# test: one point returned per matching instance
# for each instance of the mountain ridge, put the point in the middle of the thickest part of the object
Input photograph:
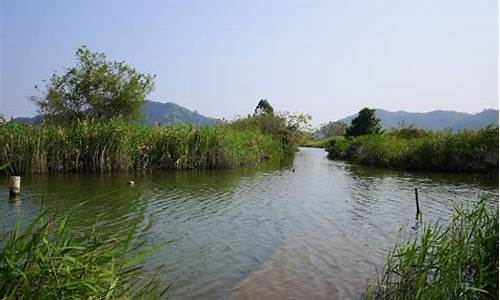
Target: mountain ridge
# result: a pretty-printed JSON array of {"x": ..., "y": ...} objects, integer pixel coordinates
[
  {"x": 156, "y": 113},
  {"x": 434, "y": 120}
]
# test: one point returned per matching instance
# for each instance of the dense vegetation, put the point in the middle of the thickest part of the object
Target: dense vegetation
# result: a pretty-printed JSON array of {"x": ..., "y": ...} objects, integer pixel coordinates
[
  {"x": 365, "y": 123},
  {"x": 95, "y": 89},
  {"x": 329, "y": 129},
  {"x": 119, "y": 146},
  {"x": 459, "y": 261},
  {"x": 48, "y": 260},
  {"x": 413, "y": 149},
  {"x": 321, "y": 143},
  {"x": 89, "y": 121}
]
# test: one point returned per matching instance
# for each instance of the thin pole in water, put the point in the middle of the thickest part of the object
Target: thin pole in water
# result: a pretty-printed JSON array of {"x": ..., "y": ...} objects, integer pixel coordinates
[
  {"x": 15, "y": 185},
  {"x": 416, "y": 201}
]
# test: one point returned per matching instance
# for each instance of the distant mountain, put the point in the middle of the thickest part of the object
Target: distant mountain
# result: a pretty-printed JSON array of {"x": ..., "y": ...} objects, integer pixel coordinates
[
  {"x": 26, "y": 120},
  {"x": 435, "y": 120},
  {"x": 170, "y": 113},
  {"x": 161, "y": 113}
]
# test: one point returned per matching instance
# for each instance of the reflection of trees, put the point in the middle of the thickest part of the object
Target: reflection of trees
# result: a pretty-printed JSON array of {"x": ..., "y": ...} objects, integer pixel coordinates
[
  {"x": 368, "y": 185},
  {"x": 417, "y": 177},
  {"x": 111, "y": 200}
]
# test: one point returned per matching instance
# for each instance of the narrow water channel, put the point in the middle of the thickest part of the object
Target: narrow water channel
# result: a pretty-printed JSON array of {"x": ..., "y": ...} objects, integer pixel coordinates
[{"x": 317, "y": 229}]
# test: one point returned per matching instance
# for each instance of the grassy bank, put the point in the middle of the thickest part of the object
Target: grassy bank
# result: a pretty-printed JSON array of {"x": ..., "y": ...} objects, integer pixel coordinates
[
  {"x": 118, "y": 146},
  {"x": 468, "y": 151},
  {"x": 459, "y": 261},
  {"x": 322, "y": 143},
  {"x": 48, "y": 260}
]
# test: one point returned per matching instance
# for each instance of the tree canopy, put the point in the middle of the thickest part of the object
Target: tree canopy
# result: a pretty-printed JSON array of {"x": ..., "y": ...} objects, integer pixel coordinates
[
  {"x": 330, "y": 129},
  {"x": 95, "y": 89},
  {"x": 264, "y": 108},
  {"x": 364, "y": 123}
]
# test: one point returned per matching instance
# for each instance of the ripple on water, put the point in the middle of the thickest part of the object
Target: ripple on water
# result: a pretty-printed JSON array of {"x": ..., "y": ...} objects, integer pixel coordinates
[{"x": 316, "y": 233}]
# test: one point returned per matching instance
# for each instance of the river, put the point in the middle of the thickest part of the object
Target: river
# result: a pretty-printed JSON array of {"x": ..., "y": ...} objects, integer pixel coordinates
[{"x": 315, "y": 229}]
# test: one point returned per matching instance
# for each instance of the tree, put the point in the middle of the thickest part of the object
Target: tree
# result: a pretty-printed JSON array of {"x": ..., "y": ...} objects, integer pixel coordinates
[
  {"x": 264, "y": 108},
  {"x": 365, "y": 123},
  {"x": 330, "y": 129},
  {"x": 95, "y": 89}
]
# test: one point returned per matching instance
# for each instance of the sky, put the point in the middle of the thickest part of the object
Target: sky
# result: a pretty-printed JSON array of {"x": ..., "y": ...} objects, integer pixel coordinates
[{"x": 326, "y": 58}]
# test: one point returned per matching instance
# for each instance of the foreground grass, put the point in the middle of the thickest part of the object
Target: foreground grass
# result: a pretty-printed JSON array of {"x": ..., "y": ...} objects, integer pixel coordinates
[
  {"x": 459, "y": 261},
  {"x": 117, "y": 146},
  {"x": 48, "y": 260},
  {"x": 467, "y": 151}
]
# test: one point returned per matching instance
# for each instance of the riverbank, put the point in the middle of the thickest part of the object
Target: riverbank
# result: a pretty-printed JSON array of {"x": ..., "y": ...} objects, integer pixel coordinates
[
  {"x": 120, "y": 147},
  {"x": 322, "y": 143},
  {"x": 467, "y": 151},
  {"x": 458, "y": 261}
]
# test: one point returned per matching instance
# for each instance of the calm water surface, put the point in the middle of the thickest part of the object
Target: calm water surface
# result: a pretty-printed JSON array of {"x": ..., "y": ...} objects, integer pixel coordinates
[{"x": 268, "y": 233}]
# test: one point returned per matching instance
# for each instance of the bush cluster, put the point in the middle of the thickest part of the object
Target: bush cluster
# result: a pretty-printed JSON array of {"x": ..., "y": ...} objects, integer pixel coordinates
[{"x": 466, "y": 151}]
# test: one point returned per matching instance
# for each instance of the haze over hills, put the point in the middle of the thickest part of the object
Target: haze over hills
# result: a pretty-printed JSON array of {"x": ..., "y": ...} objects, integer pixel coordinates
[
  {"x": 165, "y": 113},
  {"x": 172, "y": 113},
  {"x": 157, "y": 113},
  {"x": 435, "y": 120}
]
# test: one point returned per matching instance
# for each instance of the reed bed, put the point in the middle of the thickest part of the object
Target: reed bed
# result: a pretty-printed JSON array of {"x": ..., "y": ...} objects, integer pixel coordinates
[
  {"x": 118, "y": 146},
  {"x": 46, "y": 259},
  {"x": 458, "y": 261},
  {"x": 466, "y": 151}
]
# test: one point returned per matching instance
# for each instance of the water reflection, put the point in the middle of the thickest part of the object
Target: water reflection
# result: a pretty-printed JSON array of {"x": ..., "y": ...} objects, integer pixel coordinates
[{"x": 267, "y": 232}]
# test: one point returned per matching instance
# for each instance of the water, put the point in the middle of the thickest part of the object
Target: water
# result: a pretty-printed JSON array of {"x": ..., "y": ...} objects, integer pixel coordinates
[{"x": 265, "y": 233}]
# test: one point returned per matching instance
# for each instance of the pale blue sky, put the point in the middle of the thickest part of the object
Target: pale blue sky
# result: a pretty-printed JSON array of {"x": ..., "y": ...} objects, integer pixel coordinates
[{"x": 326, "y": 58}]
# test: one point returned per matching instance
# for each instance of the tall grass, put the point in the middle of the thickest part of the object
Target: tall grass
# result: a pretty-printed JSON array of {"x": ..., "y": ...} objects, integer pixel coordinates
[
  {"x": 466, "y": 151},
  {"x": 458, "y": 261},
  {"x": 118, "y": 146},
  {"x": 48, "y": 260}
]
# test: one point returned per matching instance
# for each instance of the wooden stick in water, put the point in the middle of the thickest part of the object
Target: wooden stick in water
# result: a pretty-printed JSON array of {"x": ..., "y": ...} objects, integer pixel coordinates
[
  {"x": 15, "y": 185},
  {"x": 416, "y": 201}
]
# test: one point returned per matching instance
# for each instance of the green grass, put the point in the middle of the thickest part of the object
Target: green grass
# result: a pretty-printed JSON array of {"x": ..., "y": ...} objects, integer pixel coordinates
[
  {"x": 467, "y": 151},
  {"x": 458, "y": 261},
  {"x": 49, "y": 260},
  {"x": 322, "y": 143},
  {"x": 118, "y": 146}
]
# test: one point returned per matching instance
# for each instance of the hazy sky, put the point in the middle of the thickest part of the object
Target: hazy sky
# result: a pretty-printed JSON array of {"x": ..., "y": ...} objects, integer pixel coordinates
[{"x": 326, "y": 58}]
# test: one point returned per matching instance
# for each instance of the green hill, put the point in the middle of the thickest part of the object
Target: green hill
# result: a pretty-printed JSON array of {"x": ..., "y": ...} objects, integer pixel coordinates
[
  {"x": 164, "y": 113},
  {"x": 155, "y": 113}
]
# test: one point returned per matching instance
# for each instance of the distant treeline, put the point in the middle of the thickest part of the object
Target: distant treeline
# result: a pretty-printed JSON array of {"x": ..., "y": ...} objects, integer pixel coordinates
[
  {"x": 119, "y": 146},
  {"x": 415, "y": 149}
]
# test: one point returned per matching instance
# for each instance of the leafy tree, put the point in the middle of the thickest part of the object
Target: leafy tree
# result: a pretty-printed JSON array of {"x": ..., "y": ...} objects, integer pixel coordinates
[
  {"x": 95, "y": 89},
  {"x": 3, "y": 119},
  {"x": 330, "y": 129},
  {"x": 291, "y": 128},
  {"x": 263, "y": 108},
  {"x": 365, "y": 123}
]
